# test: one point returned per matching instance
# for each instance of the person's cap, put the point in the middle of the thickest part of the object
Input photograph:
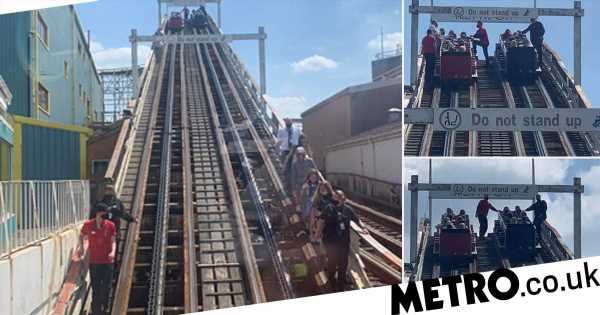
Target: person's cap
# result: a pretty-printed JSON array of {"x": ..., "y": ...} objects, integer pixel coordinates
[{"x": 300, "y": 150}]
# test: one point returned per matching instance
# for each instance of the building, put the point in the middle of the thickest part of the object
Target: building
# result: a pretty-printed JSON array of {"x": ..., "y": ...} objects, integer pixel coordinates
[
  {"x": 348, "y": 113},
  {"x": 387, "y": 66},
  {"x": 6, "y": 133},
  {"x": 369, "y": 165},
  {"x": 57, "y": 93}
]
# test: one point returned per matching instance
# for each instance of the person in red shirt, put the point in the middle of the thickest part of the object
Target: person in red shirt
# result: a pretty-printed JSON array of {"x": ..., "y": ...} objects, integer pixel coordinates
[
  {"x": 483, "y": 208},
  {"x": 428, "y": 49},
  {"x": 100, "y": 233},
  {"x": 482, "y": 41}
]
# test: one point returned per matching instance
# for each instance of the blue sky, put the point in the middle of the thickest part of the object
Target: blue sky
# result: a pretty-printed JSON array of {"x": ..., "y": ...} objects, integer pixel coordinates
[
  {"x": 559, "y": 34},
  {"x": 315, "y": 48},
  {"x": 517, "y": 171}
]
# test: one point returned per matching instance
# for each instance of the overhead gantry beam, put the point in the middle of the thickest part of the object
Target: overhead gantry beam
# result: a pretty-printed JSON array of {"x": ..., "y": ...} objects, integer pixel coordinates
[
  {"x": 261, "y": 37},
  {"x": 577, "y": 12}
]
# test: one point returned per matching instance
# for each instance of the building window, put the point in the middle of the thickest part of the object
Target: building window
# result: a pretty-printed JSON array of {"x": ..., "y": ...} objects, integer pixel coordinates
[
  {"x": 99, "y": 167},
  {"x": 43, "y": 30},
  {"x": 80, "y": 91},
  {"x": 43, "y": 98},
  {"x": 66, "y": 70},
  {"x": 79, "y": 48}
]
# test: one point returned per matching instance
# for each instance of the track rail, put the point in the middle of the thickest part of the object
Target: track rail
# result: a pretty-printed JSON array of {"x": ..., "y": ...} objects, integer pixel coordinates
[
  {"x": 196, "y": 166},
  {"x": 553, "y": 89}
]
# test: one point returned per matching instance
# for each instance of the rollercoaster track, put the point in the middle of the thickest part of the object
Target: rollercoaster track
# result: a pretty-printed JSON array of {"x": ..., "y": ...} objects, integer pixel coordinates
[
  {"x": 387, "y": 230},
  {"x": 253, "y": 184},
  {"x": 197, "y": 173},
  {"x": 157, "y": 282},
  {"x": 137, "y": 181},
  {"x": 490, "y": 94},
  {"x": 227, "y": 270},
  {"x": 491, "y": 90},
  {"x": 416, "y": 132}
]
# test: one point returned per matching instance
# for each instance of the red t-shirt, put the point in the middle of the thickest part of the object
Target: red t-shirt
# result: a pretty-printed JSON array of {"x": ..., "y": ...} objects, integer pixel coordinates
[
  {"x": 99, "y": 240},
  {"x": 483, "y": 36},
  {"x": 483, "y": 208},
  {"x": 428, "y": 45}
]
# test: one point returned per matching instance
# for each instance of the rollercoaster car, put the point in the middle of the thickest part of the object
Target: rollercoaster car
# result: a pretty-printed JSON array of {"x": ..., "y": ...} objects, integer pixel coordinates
[
  {"x": 454, "y": 239},
  {"x": 457, "y": 64},
  {"x": 517, "y": 57},
  {"x": 515, "y": 234},
  {"x": 175, "y": 23}
]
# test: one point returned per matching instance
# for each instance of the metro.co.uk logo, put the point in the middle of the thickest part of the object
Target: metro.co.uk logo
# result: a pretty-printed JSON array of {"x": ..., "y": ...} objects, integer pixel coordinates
[{"x": 501, "y": 285}]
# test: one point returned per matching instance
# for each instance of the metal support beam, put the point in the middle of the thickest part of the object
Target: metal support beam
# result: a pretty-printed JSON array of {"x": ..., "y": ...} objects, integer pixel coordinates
[
  {"x": 134, "y": 63},
  {"x": 414, "y": 214},
  {"x": 219, "y": 13},
  {"x": 577, "y": 217},
  {"x": 414, "y": 44},
  {"x": 576, "y": 12},
  {"x": 159, "y": 13},
  {"x": 200, "y": 39},
  {"x": 261, "y": 36},
  {"x": 414, "y": 187},
  {"x": 577, "y": 42},
  {"x": 262, "y": 60}
]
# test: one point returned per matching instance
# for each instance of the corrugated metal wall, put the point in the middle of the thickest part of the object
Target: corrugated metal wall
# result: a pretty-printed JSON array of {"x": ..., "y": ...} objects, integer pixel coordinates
[
  {"x": 15, "y": 59},
  {"x": 50, "y": 154}
]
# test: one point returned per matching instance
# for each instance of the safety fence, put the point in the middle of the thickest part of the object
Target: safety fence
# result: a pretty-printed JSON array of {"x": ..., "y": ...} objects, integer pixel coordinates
[{"x": 30, "y": 211}]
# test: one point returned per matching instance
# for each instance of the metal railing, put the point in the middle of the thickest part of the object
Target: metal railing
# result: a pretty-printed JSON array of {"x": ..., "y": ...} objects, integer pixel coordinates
[{"x": 30, "y": 211}]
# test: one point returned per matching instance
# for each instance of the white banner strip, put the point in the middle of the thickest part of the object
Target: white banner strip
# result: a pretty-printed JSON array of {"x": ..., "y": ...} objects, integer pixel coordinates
[{"x": 12, "y": 6}]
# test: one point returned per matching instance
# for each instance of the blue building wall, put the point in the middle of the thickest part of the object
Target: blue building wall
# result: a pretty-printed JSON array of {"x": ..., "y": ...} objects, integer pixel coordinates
[
  {"x": 49, "y": 144},
  {"x": 50, "y": 154},
  {"x": 15, "y": 60},
  {"x": 64, "y": 66}
]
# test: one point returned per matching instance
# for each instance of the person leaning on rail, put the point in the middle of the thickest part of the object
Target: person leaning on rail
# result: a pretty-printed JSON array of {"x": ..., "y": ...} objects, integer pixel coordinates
[
  {"x": 334, "y": 226},
  {"x": 537, "y": 38},
  {"x": 539, "y": 208},
  {"x": 100, "y": 233}
]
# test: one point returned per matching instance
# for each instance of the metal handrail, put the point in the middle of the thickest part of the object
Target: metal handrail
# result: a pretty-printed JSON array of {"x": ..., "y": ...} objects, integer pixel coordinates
[{"x": 31, "y": 211}]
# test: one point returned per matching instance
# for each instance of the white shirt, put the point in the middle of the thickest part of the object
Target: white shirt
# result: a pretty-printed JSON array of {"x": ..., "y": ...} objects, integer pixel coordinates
[{"x": 282, "y": 137}]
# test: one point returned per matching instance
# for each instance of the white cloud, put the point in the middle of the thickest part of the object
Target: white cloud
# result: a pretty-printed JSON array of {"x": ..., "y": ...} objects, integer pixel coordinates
[
  {"x": 288, "y": 106},
  {"x": 391, "y": 41},
  {"x": 314, "y": 63},
  {"x": 117, "y": 57}
]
